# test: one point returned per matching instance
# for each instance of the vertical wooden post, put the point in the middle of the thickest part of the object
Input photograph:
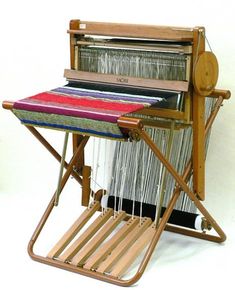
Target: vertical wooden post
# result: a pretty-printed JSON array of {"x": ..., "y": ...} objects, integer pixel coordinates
[
  {"x": 76, "y": 141},
  {"x": 198, "y": 123},
  {"x": 74, "y": 25},
  {"x": 86, "y": 185}
]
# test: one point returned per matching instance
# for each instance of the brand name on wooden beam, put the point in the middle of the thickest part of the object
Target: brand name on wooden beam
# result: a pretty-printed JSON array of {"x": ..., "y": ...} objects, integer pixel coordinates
[{"x": 122, "y": 80}]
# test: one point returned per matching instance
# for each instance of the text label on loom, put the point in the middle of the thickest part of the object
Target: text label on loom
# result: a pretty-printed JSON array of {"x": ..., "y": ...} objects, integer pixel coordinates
[{"x": 122, "y": 80}]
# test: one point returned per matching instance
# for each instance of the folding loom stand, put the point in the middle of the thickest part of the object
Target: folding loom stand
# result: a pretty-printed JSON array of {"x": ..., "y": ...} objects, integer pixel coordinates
[{"x": 121, "y": 250}]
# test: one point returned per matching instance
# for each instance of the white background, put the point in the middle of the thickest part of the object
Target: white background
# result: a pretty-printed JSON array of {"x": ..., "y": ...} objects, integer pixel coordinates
[{"x": 34, "y": 50}]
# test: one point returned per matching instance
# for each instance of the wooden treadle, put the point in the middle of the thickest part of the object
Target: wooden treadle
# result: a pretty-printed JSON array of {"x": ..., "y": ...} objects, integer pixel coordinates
[
  {"x": 75, "y": 228},
  {"x": 104, "y": 247}
]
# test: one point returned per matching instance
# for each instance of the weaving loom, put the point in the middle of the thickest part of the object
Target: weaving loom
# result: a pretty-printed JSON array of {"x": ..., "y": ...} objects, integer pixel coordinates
[{"x": 146, "y": 95}]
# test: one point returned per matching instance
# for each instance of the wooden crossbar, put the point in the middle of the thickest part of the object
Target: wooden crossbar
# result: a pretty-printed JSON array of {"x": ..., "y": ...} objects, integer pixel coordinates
[
  {"x": 181, "y": 86},
  {"x": 131, "y": 30}
]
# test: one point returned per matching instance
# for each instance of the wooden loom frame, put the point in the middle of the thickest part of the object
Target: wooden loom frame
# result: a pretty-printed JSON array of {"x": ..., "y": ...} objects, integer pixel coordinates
[
  {"x": 137, "y": 127},
  {"x": 193, "y": 99}
]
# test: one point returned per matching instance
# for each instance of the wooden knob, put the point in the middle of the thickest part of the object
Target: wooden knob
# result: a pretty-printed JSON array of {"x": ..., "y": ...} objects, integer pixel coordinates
[
  {"x": 206, "y": 73},
  {"x": 8, "y": 105}
]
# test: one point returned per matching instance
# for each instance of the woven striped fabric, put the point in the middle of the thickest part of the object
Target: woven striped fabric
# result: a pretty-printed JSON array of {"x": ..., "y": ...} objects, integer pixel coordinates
[{"x": 88, "y": 112}]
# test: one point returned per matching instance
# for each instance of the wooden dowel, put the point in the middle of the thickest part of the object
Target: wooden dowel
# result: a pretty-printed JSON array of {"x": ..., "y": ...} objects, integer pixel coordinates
[
  {"x": 130, "y": 123},
  {"x": 225, "y": 94}
]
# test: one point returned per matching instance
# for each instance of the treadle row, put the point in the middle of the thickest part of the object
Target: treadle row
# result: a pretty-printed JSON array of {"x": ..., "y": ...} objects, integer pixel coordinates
[{"x": 92, "y": 251}]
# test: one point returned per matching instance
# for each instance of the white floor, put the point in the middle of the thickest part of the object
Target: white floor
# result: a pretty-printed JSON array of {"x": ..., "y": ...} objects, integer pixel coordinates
[{"x": 28, "y": 174}]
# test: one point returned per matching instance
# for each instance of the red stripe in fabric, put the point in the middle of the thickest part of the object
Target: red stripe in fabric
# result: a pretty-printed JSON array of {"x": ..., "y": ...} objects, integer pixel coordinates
[
  {"x": 67, "y": 106},
  {"x": 85, "y": 102}
]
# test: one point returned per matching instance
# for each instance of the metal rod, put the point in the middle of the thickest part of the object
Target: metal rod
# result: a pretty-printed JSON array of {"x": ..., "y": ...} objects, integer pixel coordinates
[
  {"x": 63, "y": 182},
  {"x": 48, "y": 146},
  {"x": 58, "y": 191},
  {"x": 213, "y": 114},
  {"x": 163, "y": 187}
]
